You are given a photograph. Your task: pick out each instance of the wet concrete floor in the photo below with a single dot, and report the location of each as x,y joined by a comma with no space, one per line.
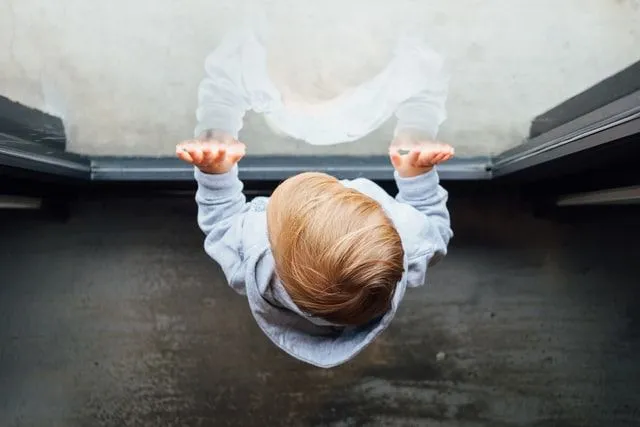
118,318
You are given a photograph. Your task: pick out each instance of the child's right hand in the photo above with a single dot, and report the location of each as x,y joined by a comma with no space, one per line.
420,159
211,156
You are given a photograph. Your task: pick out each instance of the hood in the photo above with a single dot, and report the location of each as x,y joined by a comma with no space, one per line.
311,339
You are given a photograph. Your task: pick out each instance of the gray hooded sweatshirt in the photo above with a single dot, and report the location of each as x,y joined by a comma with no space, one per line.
236,238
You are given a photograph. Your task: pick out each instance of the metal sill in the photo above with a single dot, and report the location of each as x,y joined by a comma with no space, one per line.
16,153
277,168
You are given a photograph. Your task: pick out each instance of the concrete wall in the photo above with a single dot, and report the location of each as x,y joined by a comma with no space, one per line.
123,74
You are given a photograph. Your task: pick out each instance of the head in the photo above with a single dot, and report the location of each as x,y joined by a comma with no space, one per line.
338,255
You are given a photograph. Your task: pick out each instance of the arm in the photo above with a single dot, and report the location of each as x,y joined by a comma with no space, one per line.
221,208
425,194
221,204
419,187
222,98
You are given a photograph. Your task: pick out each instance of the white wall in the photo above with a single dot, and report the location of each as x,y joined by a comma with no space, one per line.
123,74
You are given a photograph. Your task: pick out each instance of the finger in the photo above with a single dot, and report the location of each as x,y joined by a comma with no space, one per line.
444,148
396,158
220,152
186,146
208,155
196,153
183,146
439,158
426,158
215,155
184,156
234,155
414,157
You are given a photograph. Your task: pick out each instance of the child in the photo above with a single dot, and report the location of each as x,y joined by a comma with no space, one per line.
324,263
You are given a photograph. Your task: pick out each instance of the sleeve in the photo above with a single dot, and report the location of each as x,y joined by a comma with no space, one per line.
222,98
425,194
222,209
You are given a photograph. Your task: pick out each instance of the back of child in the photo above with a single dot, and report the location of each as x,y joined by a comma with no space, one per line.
324,263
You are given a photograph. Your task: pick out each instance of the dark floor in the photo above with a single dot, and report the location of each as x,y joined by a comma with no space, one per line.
118,318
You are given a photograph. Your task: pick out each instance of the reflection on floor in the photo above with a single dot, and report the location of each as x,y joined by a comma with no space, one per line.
118,318
136,95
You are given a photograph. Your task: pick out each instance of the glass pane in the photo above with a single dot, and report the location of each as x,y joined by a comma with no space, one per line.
124,75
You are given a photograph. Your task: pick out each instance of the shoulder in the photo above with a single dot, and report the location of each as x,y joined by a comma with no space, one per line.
412,226
369,188
254,231
258,204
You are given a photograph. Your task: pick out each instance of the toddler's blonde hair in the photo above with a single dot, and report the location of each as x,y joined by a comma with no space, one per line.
338,255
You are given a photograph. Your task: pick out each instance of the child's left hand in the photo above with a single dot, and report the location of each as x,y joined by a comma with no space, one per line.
420,158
